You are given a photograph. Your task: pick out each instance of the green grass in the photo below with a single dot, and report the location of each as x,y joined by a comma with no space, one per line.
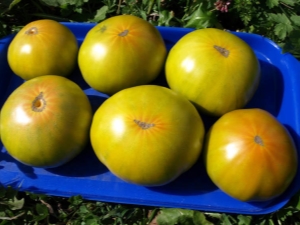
29,208
277,20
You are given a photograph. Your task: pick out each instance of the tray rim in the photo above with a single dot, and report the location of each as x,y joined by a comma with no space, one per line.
168,29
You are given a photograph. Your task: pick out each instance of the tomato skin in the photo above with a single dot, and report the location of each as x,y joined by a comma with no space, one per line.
121,52
45,122
250,155
43,47
169,144
215,83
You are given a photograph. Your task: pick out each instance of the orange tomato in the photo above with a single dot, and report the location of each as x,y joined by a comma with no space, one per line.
250,155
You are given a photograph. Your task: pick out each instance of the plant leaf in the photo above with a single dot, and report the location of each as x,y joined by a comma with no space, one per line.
289,2
295,19
278,18
272,3
295,200
283,26
199,218
170,216
201,18
283,213
15,204
225,219
282,30
165,17
75,200
14,2
100,14
42,212
59,3
244,220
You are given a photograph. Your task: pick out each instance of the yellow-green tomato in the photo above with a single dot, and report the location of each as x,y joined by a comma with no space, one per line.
43,47
214,69
147,135
45,122
121,52
250,155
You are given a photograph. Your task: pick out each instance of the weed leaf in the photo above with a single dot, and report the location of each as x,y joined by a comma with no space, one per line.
60,3
101,14
283,26
201,18
15,204
199,218
289,2
272,3
296,20
170,216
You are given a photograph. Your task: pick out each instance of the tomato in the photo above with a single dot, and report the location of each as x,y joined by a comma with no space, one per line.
250,155
43,47
147,135
45,122
214,69
121,52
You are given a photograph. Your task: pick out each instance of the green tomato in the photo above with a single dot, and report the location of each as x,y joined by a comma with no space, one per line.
214,69
45,122
43,47
147,135
121,52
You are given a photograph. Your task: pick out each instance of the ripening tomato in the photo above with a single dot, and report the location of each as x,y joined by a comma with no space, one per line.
250,155
147,135
43,47
214,69
121,52
45,122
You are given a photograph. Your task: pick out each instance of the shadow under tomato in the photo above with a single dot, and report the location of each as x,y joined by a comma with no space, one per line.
193,182
8,164
85,164
269,93
160,80
77,77
96,101
1,155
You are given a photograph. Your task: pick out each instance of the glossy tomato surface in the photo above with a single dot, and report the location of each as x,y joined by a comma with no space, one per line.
45,122
121,52
147,135
214,69
250,155
43,47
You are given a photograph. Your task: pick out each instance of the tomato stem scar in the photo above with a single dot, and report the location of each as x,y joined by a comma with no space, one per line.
144,125
39,103
32,31
258,140
224,52
123,33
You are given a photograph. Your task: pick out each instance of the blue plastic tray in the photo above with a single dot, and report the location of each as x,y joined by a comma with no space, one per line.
278,93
